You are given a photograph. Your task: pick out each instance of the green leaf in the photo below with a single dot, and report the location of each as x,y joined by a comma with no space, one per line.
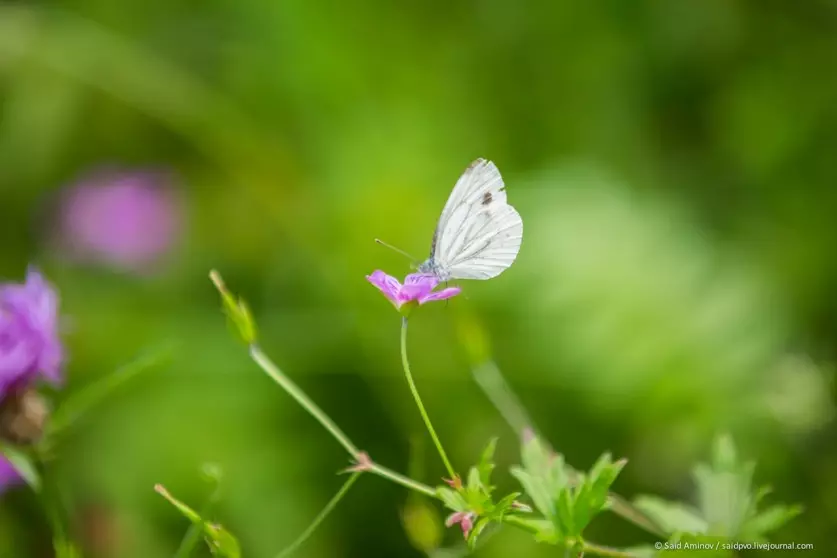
486,464
671,516
24,466
537,491
768,520
504,505
727,504
592,495
564,519
452,499
474,483
543,529
724,498
536,457
724,454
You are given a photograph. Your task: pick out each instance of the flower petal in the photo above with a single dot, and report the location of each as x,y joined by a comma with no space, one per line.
386,284
417,286
440,295
8,474
454,518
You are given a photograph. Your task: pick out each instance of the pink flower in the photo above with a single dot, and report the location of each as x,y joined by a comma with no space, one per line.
29,342
124,220
8,475
465,520
417,288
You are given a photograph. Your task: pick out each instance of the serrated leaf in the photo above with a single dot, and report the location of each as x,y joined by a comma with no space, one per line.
504,505
592,496
486,464
24,466
760,494
671,516
564,519
474,481
536,490
452,499
724,498
536,457
768,520
724,455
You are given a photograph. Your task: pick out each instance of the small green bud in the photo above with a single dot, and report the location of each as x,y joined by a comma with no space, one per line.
237,310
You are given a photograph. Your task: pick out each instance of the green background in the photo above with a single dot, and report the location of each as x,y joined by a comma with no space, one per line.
673,164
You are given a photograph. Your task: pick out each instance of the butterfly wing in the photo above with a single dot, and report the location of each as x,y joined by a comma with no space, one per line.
479,233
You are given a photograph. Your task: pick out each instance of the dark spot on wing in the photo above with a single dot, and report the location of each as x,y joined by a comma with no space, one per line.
486,198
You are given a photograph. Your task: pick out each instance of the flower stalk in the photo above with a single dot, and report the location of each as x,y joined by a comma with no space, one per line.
425,417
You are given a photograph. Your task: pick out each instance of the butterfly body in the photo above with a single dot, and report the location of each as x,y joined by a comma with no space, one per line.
479,234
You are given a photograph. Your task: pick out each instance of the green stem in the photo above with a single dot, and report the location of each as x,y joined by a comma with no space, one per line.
193,534
321,517
293,390
406,482
406,363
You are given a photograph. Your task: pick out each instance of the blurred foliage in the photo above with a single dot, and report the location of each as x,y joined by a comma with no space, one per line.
671,164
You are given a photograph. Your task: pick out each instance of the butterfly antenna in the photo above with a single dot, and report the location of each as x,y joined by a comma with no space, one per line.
402,252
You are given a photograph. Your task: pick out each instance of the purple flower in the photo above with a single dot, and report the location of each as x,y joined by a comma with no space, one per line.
465,520
29,342
8,475
417,288
123,220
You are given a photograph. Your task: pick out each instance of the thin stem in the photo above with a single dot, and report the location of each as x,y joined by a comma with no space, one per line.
398,478
321,516
193,534
288,385
293,390
405,362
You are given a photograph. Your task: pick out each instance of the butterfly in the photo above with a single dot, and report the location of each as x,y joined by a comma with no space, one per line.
478,235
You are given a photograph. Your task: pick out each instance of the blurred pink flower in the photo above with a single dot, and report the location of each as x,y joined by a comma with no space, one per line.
8,475
29,342
465,520
417,288
125,220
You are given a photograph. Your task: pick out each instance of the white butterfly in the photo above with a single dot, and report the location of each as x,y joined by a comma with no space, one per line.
479,234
